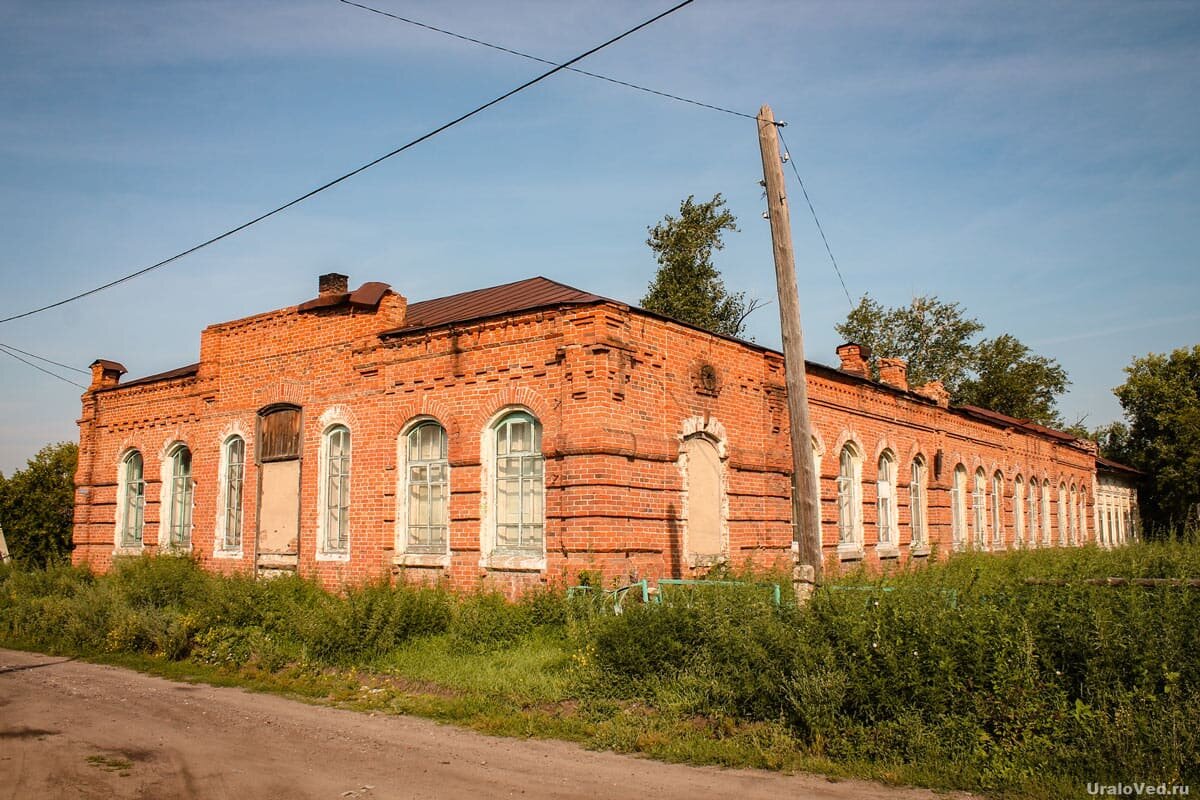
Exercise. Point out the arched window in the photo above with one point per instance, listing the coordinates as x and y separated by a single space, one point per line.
1047 511
849 498
998 509
916 503
1083 516
979 508
133 500
519 485
334 530
1062 514
1073 516
426 489
1034 525
179 523
958 507
1018 511
232 480
886 498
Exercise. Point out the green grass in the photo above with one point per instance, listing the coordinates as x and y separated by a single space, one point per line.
960 675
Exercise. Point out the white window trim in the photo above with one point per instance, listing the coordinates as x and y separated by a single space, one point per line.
166 499
1018 512
919 541
960 526
119 547
979 510
851 550
219 549
890 548
324 553
488 558
403 557
997 519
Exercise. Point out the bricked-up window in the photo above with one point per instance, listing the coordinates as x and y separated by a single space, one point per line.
179 530
998 509
520 511
916 503
849 497
958 506
979 508
427 476
886 498
233 478
133 504
336 490
1018 510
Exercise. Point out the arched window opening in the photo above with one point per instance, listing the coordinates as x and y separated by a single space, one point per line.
335 515
1018 511
958 507
998 509
916 503
426 491
886 500
133 503
179 526
979 508
234 478
519 485
849 497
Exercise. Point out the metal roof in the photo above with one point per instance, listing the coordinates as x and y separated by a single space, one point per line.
508 298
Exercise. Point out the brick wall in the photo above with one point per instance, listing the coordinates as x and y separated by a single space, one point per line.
616 391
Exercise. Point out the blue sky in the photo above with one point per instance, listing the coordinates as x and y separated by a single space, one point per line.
1036 162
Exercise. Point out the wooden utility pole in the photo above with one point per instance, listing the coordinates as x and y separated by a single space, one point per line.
805 506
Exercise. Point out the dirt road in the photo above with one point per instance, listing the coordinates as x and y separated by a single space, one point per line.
75 730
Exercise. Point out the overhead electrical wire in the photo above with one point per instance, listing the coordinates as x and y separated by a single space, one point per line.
330 184
511 51
8 352
790 160
43 358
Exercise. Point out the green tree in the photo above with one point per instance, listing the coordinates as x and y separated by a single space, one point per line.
36 506
1010 379
937 339
1161 400
687 286
933 336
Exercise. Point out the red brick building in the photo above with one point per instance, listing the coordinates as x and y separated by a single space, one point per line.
531 431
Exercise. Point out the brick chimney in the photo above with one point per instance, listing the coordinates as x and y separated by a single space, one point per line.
894 372
333 283
935 391
105 374
854 358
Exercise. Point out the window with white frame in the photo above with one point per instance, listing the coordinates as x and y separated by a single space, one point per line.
231 491
1034 525
998 509
958 506
133 500
335 490
519 486
1047 511
916 503
979 508
426 490
849 498
179 502
886 498
1018 511
1062 513
1073 516
1083 516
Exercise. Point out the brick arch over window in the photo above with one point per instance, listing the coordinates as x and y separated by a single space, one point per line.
407 413
703 450
515 398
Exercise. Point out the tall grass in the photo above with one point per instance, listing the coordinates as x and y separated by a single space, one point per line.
1005 674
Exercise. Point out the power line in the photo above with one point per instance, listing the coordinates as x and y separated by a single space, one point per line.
6 352
787 153
43 358
511 51
352 173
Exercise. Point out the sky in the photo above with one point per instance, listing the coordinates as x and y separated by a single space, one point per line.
1036 162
